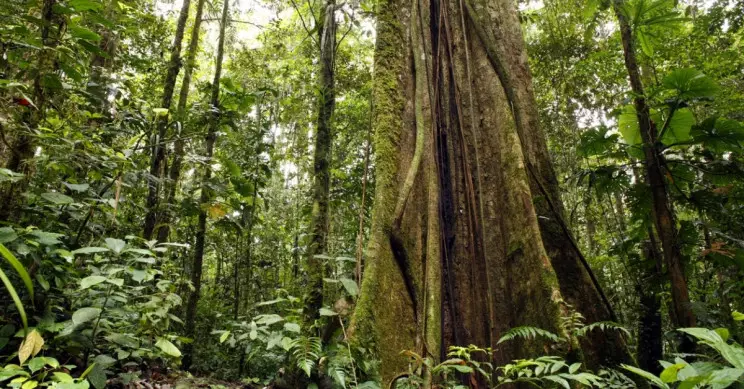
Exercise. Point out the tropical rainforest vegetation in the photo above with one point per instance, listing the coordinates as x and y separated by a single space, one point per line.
371 193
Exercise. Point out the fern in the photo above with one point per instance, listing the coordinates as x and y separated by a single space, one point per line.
602 326
527 332
306 351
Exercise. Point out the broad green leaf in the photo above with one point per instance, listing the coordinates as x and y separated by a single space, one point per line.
224 336
62 377
57 198
678 129
84 315
627 124
84 33
89 250
350 286
80 188
737 316
36 364
327 312
85 5
89 281
292 327
648 376
690 84
116 245
167 347
7 234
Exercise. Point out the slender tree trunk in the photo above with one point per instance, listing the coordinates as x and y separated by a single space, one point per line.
179 150
663 215
22 148
650 332
206 195
322 159
158 142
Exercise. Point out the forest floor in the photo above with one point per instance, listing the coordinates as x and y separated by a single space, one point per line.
180 380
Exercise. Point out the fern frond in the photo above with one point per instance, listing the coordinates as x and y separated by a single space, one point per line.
527 332
603 326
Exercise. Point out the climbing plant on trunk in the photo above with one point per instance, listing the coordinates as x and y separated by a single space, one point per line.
206 195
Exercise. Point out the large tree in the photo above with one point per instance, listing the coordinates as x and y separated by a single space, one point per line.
467 238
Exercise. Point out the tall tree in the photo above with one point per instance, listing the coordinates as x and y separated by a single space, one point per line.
322 158
496 24
174 172
456 255
206 195
157 156
44 80
654 162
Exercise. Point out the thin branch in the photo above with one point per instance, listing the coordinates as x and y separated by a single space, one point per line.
233 21
310 34
351 25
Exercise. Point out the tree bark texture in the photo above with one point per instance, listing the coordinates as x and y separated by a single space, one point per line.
321 161
158 142
179 149
206 195
22 147
663 215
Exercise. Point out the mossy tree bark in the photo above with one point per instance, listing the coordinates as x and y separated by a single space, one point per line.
654 162
21 151
206 194
174 172
321 160
157 156
464 258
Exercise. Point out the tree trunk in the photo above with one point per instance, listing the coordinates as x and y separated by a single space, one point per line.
322 159
158 142
496 23
455 253
206 195
663 215
22 149
650 332
174 173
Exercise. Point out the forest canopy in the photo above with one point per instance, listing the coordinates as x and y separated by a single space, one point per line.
371 194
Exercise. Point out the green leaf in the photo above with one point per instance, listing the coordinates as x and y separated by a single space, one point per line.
57 198
36 364
80 188
84 33
690 84
648 376
351 287
167 347
678 129
116 245
62 377
16 299
327 312
89 250
84 315
16 264
463 368
85 5
224 336
89 281
7 234
292 327
737 316
628 126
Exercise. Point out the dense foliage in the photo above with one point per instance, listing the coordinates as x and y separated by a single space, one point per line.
161 193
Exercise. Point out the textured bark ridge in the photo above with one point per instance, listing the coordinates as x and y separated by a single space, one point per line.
465 259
